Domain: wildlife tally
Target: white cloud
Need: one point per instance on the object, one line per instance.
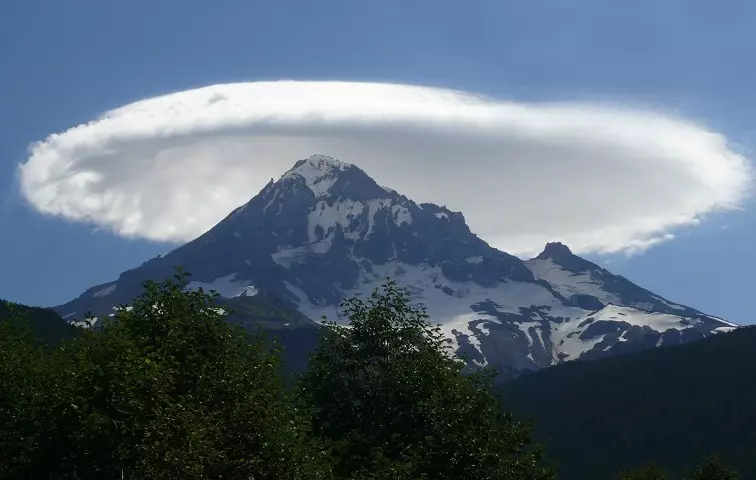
(599, 178)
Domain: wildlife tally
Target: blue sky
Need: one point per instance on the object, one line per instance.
(64, 63)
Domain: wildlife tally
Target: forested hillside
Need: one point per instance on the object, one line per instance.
(47, 326)
(667, 406)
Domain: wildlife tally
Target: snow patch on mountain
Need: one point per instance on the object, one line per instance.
(727, 324)
(324, 218)
(660, 322)
(542, 318)
(85, 324)
(401, 215)
(574, 346)
(448, 303)
(349, 216)
(319, 173)
(671, 305)
(570, 339)
(724, 329)
(226, 286)
(287, 257)
(569, 283)
(105, 291)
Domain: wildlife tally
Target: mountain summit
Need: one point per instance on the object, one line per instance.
(327, 177)
(555, 251)
(326, 231)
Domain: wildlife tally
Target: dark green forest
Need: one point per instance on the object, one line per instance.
(46, 326)
(172, 390)
(664, 406)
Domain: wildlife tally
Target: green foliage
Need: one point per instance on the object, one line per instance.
(166, 390)
(652, 472)
(25, 384)
(389, 395)
(292, 333)
(710, 468)
(713, 468)
(170, 389)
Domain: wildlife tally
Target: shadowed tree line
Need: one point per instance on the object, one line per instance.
(669, 406)
(170, 390)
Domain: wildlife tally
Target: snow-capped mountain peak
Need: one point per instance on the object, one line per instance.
(319, 173)
(326, 231)
(327, 177)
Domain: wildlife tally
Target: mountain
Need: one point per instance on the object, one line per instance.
(326, 230)
(666, 406)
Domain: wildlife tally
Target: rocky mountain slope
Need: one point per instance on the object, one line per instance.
(325, 231)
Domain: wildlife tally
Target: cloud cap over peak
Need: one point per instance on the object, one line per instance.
(596, 177)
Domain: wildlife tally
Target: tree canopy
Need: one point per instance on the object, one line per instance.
(169, 389)
(387, 392)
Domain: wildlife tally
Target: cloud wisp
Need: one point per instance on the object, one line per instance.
(599, 178)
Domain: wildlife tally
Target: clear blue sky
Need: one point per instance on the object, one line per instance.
(63, 63)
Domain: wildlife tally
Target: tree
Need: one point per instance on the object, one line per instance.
(26, 379)
(391, 397)
(652, 472)
(169, 389)
(713, 468)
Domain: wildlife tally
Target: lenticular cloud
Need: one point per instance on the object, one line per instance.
(598, 178)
